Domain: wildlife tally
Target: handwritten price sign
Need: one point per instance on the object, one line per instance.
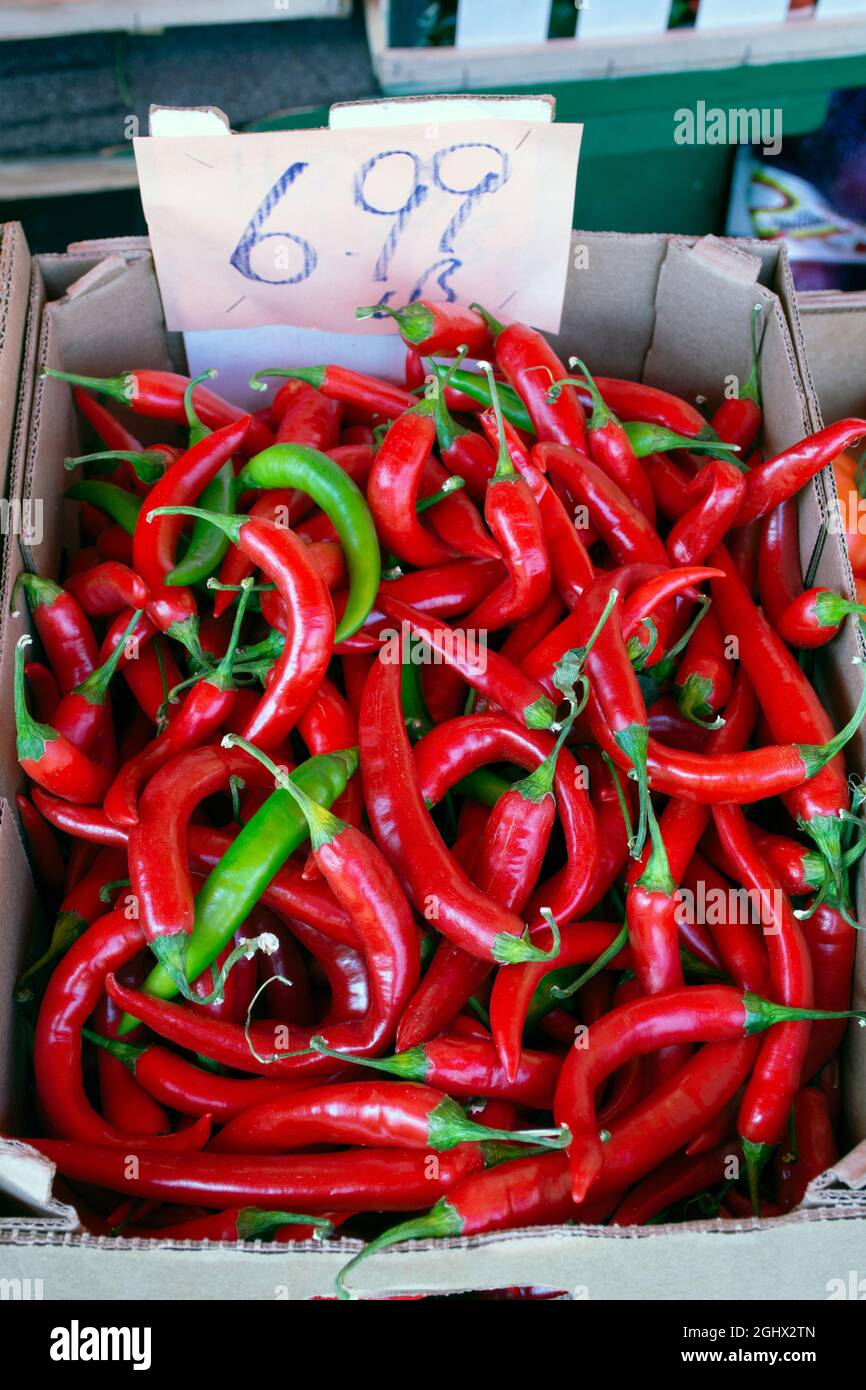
(299, 227)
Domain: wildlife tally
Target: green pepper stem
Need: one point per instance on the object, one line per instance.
(452, 484)
(618, 944)
(94, 688)
(492, 323)
(752, 389)
(120, 388)
(197, 430)
(693, 701)
(441, 1220)
(314, 375)
(654, 439)
(222, 676)
(148, 465)
(601, 413)
(323, 824)
(31, 736)
(504, 467)
(123, 1052)
(657, 876)
(415, 320)
(229, 523)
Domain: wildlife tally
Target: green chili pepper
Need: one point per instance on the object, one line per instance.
(207, 544)
(123, 507)
(294, 465)
(236, 883)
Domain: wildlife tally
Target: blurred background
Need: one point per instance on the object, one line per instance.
(787, 158)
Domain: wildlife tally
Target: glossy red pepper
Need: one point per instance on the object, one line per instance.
(816, 1148)
(530, 365)
(107, 588)
(802, 618)
(42, 845)
(780, 477)
(365, 1180)
(676, 1180)
(375, 1114)
(365, 394)
(392, 489)
(713, 499)
(429, 327)
(63, 629)
(624, 529)
(71, 995)
(699, 1013)
(705, 675)
(49, 757)
(610, 447)
(160, 395)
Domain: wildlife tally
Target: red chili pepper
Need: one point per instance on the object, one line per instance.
(832, 944)
(737, 937)
(816, 1148)
(158, 842)
(49, 757)
(739, 778)
(624, 529)
(287, 893)
(532, 1191)
(610, 447)
(443, 590)
(492, 675)
(375, 1114)
(774, 1082)
(369, 1180)
(179, 1084)
(530, 364)
(160, 395)
(239, 1223)
(103, 590)
(430, 327)
(571, 568)
(635, 400)
(305, 416)
(82, 714)
(705, 676)
(326, 725)
(675, 1180)
(739, 418)
(505, 862)
(515, 985)
(300, 669)
(114, 543)
(365, 394)
(780, 477)
(699, 1013)
(42, 845)
(408, 837)
(464, 1064)
(714, 498)
(147, 665)
(44, 690)
(173, 609)
(206, 708)
(392, 489)
(71, 995)
(455, 518)
(793, 710)
(124, 1104)
(802, 618)
(513, 516)
(112, 432)
(63, 629)
(453, 750)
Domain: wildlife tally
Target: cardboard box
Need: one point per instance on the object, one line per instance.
(14, 291)
(675, 312)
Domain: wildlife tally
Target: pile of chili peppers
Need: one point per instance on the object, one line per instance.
(405, 764)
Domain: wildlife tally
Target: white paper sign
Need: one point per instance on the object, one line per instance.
(603, 19)
(839, 9)
(727, 14)
(482, 25)
(299, 227)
